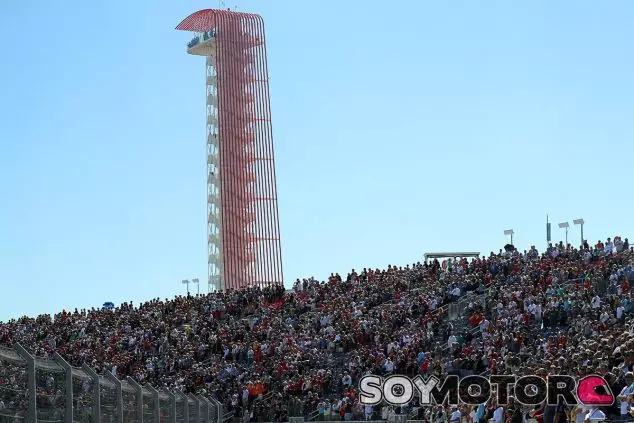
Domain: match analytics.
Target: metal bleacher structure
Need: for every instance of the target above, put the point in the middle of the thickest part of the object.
(34, 389)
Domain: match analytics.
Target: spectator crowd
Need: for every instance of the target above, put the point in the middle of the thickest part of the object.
(270, 353)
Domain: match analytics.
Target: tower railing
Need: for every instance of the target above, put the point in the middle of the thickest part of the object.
(34, 389)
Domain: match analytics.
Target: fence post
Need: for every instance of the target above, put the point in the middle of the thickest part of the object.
(185, 399)
(157, 403)
(68, 370)
(196, 408)
(96, 400)
(119, 389)
(139, 397)
(30, 367)
(210, 416)
(203, 415)
(204, 406)
(218, 408)
(173, 406)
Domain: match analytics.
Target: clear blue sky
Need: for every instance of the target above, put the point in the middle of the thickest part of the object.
(399, 128)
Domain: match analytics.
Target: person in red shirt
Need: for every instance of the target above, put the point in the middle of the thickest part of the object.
(625, 286)
(424, 366)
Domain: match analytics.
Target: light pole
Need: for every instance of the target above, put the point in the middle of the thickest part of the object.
(548, 238)
(186, 282)
(509, 232)
(197, 282)
(566, 226)
(580, 222)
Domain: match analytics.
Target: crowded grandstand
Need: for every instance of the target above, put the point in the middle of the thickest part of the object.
(268, 354)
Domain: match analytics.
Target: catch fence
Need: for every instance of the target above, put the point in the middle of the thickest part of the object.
(37, 390)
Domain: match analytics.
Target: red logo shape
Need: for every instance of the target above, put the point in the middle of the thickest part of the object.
(594, 391)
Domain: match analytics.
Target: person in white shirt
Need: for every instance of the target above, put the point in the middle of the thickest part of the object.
(346, 380)
(594, 415)
(452, 340)
(624, 395)
(538, 313)
(619, 312)
(368, 412)
(245, 397)
(609, 247)
(581, 411)
(472, 415)
(336, 406)
(455, 415)
(498, 415)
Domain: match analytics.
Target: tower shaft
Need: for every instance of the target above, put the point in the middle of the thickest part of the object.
(244, 247)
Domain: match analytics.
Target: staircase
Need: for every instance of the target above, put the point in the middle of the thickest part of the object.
(458, 315)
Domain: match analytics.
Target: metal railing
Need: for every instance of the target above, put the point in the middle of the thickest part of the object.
(34, 389)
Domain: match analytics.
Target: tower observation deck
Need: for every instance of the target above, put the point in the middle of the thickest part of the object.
(243, 235)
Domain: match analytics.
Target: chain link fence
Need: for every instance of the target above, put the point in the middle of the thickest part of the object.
(39, 390)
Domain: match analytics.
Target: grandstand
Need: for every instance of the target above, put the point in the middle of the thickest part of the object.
(268, 354)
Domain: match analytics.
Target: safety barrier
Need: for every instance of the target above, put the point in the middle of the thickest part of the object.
(34, 389)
